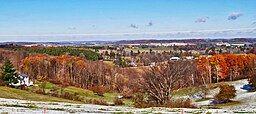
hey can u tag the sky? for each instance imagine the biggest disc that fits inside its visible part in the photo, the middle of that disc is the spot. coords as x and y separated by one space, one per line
89 20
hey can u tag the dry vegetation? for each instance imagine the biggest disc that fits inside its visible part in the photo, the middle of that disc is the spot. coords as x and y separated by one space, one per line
147 86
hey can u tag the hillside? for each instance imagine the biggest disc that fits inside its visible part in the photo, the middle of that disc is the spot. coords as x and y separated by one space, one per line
245 102
12 93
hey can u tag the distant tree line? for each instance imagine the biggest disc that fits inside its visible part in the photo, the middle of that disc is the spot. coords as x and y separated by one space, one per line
221 67
88 54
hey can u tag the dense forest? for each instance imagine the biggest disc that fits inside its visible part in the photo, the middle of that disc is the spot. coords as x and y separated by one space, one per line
223 67
67 69
88 54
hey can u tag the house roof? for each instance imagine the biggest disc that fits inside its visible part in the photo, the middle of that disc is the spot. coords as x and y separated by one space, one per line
23 75
174 58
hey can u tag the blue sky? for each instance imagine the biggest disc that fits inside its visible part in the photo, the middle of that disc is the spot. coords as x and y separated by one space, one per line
61 20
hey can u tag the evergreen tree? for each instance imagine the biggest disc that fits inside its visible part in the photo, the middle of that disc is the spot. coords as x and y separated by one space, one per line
9 74
112 55
150 50
121 62
138 52
131 53
106 53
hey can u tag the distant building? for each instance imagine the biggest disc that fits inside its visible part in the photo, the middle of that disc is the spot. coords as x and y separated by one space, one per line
31 45
174 58
189 57
152 64
222 44
23 80
133 64
238 44
171 44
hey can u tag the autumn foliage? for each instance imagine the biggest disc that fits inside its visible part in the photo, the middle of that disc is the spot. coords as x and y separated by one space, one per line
67 69
118 101
98 90
156 84
225 67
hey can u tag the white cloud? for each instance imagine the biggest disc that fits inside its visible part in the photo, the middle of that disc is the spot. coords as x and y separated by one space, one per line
254 23
202 19
234 15
134 26
150 23
71 28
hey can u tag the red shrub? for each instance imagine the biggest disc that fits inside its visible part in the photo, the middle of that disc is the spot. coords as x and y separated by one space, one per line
118 101
98 90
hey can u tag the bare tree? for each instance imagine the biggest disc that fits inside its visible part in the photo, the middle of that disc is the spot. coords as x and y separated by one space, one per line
160 82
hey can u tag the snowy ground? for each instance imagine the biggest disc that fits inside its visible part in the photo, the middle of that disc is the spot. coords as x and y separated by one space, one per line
14 106
247 99
63 108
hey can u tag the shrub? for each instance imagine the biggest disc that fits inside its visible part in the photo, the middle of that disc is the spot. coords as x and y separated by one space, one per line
204 91
67 95
2 83
118 101
98 90
179 103
39 78
127 93
4 113
226 92
95 101
252 81
139 101
188 104
42 87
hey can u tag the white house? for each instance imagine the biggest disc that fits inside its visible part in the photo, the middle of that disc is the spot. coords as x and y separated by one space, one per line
152 64
174 58
189 57
23 80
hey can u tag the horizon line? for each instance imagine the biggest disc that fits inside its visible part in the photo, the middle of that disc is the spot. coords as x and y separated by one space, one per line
113 34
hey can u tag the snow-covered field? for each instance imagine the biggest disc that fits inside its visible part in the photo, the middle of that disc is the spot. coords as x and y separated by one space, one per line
247 99
63 108
14 106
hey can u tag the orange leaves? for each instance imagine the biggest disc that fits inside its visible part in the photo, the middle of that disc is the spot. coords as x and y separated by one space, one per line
228 65
67 69
80 63
59 59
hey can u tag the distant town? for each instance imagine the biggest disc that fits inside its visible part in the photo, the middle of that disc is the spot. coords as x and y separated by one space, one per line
132 53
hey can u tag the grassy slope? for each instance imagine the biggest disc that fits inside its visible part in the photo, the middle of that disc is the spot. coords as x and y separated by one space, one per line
90 95
236 101
13 93
87 94
194 89
109 97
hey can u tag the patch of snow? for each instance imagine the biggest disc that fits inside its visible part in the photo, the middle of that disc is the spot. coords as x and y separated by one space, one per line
247 99
247 105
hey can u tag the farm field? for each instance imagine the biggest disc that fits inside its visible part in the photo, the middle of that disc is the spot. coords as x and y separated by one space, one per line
148 49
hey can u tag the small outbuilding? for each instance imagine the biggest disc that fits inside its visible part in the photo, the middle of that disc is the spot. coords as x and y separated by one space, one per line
23 79
174 58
